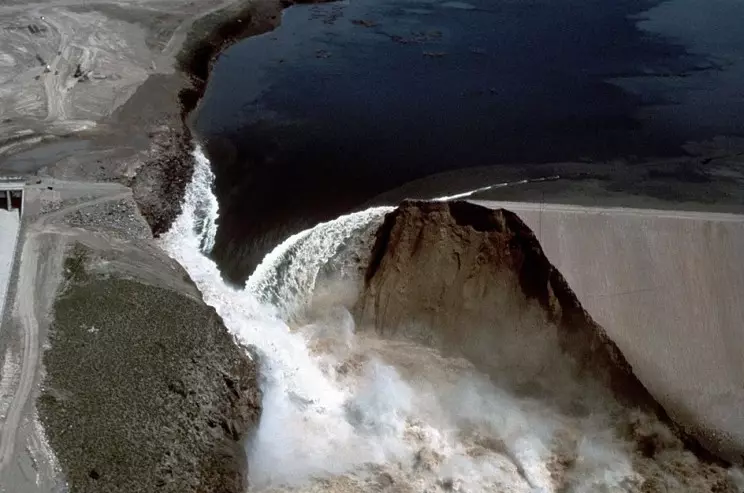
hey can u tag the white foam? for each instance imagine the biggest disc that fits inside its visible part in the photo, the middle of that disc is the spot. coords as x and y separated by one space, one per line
470 193
463 195
357 412
304 427
289 272
206 205
319 421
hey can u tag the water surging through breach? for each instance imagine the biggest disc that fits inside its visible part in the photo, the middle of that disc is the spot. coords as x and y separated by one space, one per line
345 411
305 431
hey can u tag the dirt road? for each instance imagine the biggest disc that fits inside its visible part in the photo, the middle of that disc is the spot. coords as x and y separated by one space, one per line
43 245
66 65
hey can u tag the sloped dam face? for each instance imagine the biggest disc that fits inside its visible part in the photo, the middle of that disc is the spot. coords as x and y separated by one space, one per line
665 286
9 224
433 347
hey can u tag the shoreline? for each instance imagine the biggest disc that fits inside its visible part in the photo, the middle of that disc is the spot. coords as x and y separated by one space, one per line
143 142
141 138
146 142
205 42
145 145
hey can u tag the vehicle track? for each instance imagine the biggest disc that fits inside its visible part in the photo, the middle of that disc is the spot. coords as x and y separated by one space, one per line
32 266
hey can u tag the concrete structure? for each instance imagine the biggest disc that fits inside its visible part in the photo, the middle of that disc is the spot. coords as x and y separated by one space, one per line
11 193
668 286
11 210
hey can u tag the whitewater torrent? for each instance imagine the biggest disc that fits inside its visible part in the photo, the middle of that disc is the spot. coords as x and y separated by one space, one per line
348 412
470 193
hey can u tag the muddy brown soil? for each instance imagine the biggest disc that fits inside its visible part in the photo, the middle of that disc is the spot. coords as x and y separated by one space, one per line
475 282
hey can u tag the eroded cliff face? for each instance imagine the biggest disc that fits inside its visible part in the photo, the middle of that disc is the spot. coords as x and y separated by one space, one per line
479 283
475 282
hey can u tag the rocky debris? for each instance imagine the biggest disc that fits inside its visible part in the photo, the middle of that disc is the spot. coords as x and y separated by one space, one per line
161 177
119 217
473 281
145 389
49 206
159 185
213 33
52 202
160 180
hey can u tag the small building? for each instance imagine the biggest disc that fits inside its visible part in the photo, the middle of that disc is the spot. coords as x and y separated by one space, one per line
11 193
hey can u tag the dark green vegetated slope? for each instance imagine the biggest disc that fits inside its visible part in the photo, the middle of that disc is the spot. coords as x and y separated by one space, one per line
145 390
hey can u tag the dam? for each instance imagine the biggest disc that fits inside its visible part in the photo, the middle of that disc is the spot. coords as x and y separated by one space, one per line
666 286
11 210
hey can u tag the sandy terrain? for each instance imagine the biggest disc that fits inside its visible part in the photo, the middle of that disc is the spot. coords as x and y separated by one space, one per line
666 286
9 227
65 65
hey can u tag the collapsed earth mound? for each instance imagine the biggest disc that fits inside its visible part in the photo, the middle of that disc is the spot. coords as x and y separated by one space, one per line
474 282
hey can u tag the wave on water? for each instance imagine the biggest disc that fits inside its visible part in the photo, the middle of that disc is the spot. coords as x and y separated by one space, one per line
470 193
345 411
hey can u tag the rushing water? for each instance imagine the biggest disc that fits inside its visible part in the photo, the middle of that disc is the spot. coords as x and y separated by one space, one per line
345 411
348 100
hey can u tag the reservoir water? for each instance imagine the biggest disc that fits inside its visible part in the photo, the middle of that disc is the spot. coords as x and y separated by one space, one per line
347 100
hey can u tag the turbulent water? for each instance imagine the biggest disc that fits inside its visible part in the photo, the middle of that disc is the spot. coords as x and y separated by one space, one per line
345 411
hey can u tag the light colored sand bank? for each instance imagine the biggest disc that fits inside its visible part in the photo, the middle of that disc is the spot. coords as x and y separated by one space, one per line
65 65
668 287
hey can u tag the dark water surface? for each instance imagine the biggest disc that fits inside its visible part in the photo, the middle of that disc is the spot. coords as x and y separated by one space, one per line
348 100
